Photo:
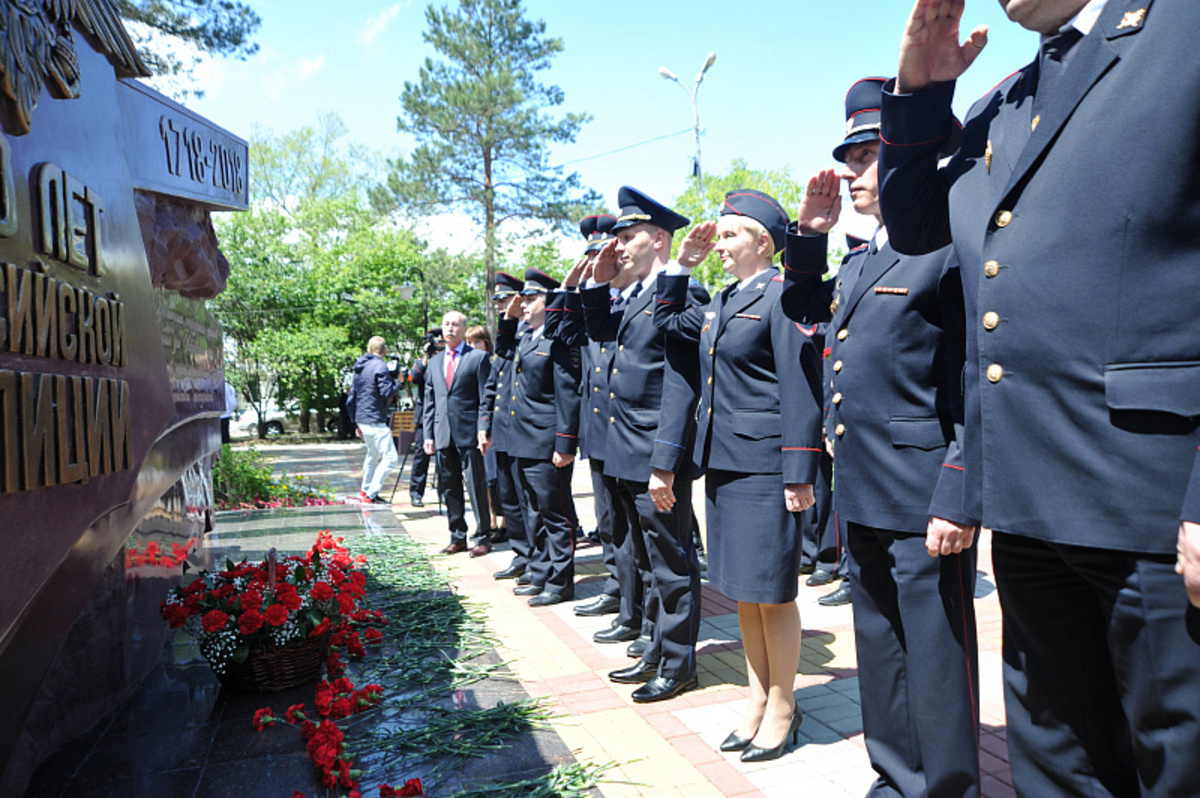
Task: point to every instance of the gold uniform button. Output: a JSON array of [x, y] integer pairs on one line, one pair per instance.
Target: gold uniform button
[[991, 269], [995, 373], [512, 412], [842, 334], [712, 350], [1035, 121], [614, 371], [604, 350], [595, 389], [710, 411], [621, 348], [837, 366], [840, 430], [991, 320], [611, 395], [612, 419], [501, 374], [710, 380], [1003, 218], [596, 410], [837, 399], [597, 369]]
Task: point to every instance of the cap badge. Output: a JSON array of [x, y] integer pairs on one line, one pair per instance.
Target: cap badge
[[1132, 19]]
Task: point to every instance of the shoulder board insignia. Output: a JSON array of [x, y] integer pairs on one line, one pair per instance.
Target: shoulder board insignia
[[859, 248], [808, 332], [750, 316], [883, 289], [777, 278]]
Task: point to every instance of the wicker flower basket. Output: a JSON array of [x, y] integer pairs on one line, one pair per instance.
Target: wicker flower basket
[[277, 667]]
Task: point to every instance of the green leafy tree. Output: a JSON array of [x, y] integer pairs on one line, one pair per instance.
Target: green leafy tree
[[478, 114], [205, 27]]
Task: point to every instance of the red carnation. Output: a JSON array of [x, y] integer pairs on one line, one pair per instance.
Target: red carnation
[[251, 621], [263, 718], [321, 591], [373, 636], [320, 628], [252, 600], [294, 713], [276, 615], [214, 621], [341, 708], [175, 614], [345, 603]]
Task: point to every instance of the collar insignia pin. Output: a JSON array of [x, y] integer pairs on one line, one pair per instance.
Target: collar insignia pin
[[987, 156], [1132, 19]]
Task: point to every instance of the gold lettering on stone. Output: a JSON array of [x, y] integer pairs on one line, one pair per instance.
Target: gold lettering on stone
[[72, 462], [20, 300], [86, 318], [52, 239], [9, 219], [120, 412], [98, 429], [37, 411], [103, 332], [75, 204], [68, 342], [118, 325], [45, 315], [69, 211]]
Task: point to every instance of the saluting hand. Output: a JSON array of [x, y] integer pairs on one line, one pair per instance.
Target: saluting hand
[[797, 497], [513, 309], [606, 266], [662, 490], [696, 245], [576, 274], [821, 205], [947, 537], [1187, 562], [929, 49]]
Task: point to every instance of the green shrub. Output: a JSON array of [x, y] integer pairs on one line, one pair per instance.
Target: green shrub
[[244, 478]]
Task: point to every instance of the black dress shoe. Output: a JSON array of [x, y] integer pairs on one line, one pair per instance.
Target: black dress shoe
[[545, 599], [416, 501], [635, 674], [836, 598], [734, 743], [660, 688], [525, 579], [819, 577], [527, 590], [498, 535], [755, 754], [511, 572], [638, 647], [603, 604], [807, 568], [616, 634]]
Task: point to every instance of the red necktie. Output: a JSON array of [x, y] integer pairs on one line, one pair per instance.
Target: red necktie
[[450, 367]]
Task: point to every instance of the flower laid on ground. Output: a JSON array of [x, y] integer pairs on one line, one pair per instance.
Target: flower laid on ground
[[264, 718], [249, 606], [412, 787]]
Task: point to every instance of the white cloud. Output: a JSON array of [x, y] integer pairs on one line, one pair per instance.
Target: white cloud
[[311, 66], [377, 25]]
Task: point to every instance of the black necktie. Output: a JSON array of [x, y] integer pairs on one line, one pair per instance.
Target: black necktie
[[1052, 62], [637, 289], [727, 304]]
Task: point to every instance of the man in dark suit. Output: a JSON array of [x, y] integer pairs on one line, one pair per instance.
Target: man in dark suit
[[653, 390], [1072, 207], [895, 340], [455, 384]]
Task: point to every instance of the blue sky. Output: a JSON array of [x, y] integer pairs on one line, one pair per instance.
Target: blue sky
[[774, 96]]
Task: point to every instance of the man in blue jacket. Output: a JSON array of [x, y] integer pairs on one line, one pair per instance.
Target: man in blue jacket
[[370, 392]]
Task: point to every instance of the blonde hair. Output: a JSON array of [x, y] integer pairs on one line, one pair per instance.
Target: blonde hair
[[755, 229], [480, 334], [375, 345]]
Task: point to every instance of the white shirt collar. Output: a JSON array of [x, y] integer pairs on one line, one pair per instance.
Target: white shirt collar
[[1085, 20], [880, 237]]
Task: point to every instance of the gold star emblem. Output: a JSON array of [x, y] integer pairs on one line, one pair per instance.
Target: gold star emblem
[[760, 286], [1132, 19]]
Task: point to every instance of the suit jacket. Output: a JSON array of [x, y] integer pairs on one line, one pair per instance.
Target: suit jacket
[[546, 403], [760, 378], [452, 415], [654, 385], [1079, 239], [593, 386], [495, 411], [896, 355]]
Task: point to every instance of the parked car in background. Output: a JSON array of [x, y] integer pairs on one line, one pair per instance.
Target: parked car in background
[[276, 420]]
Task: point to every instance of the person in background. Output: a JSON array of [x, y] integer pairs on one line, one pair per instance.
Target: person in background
[[370, 393], [419, 472], [230, 408], [478, 338]]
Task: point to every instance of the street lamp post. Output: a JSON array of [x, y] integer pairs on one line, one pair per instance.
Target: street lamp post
[[407, 290], [669, 75]]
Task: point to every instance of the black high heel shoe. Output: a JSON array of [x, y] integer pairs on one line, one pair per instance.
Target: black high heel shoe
[[753, 753], [735, 743]]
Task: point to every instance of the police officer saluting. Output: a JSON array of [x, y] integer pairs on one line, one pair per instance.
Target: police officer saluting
[[653, 389], [896, 346], [495, 423], [545, 419]]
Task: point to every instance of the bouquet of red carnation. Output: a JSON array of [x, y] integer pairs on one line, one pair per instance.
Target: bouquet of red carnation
[[250, 605]]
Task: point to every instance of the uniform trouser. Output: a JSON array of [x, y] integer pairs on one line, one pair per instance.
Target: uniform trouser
[[512, 506], [380, 456], [450, 464], [1101, 670], [633, 573], [552, 559], [606, 511], [823, 537], [673, 601], [419, 473], [918, 664]]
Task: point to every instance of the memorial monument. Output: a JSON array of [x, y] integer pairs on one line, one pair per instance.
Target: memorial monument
[[111, 375]]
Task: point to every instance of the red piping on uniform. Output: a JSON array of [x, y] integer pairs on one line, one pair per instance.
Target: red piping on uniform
[[797, 449], [956, 468]]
